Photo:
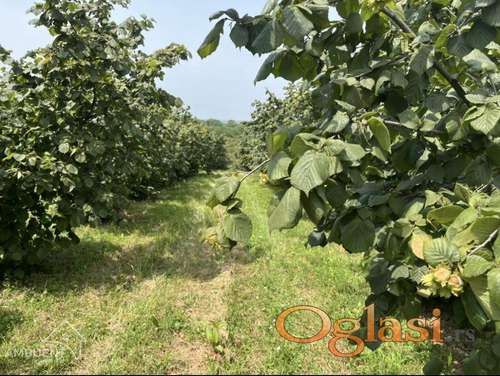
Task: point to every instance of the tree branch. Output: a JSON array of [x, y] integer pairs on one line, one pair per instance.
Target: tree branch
[[255, 170], [439, 67], [398, 21], [452, 81], [486, 242], [400, 125]]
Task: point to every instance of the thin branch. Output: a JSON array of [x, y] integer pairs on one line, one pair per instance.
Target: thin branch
[[400, 125], [452, 81], [387, 64], [395, 123], [255, 170], [482, 188], [486, 242], [398, 21], [439, 67], [492, 84]]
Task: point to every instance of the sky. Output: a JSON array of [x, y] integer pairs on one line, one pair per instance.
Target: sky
[[219, 87]]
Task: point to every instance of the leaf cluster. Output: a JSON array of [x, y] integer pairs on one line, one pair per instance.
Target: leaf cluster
[[84, 127], [404, 165]]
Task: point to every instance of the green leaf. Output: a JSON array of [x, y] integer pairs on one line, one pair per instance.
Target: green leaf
[[302, 143], [269, 39], [401, 272], [462, 192], [479, 62], [482, 228], [338, 123], [481, 289], [352, 152], [346, 7], [458, 46], [288, 66], [295, 23], [349, 108], [409, 119], [212, 40], [496, 248], [396, 102], [311, 171], [72, 169], [441, 251], [315, 207], [239, 35], [276, 142], [335, 166], [268, 66], [475, 313], [494, 290], [279, 166], [445, 215], [354, 24], [422, 60], [238, 227], [444, 36], [64, 148], [336, 194], [358, 235], [381, 133], [413, 208], [288, 212], [487, 122], [334, 146], [476, 266], [491, 15], [81, 158], [480, 35], [418, 242], [405, 157], [226, 189]]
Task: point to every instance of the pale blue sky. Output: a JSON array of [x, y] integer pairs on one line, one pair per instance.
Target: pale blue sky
[[220, 86]]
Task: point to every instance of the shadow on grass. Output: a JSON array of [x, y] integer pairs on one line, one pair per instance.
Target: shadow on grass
[[8, 320], [164, 241]]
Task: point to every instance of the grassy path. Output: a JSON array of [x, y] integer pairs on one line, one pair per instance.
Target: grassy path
[[138, 298]]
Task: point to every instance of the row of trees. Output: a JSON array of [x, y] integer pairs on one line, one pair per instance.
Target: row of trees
[[404, 165], [84, 127], [294, 109]]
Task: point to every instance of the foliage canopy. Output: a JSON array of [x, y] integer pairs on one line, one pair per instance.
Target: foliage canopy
[[83, 127], [268, 116], [404, 165]]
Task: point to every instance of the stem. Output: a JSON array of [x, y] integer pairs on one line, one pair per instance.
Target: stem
[[482, 188], [255, 170], [439, 67], [486, 242], [492, 84], [388, 64], [453, 82], [398, 21], [399, 125]]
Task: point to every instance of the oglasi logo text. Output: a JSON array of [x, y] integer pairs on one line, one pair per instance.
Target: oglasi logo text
[[390, 330]]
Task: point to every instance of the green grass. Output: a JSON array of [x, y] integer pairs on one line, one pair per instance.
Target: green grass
[[138, 298]]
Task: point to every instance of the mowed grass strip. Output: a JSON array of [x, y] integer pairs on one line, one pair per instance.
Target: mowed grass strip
[[286, 274], [147, 296]]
